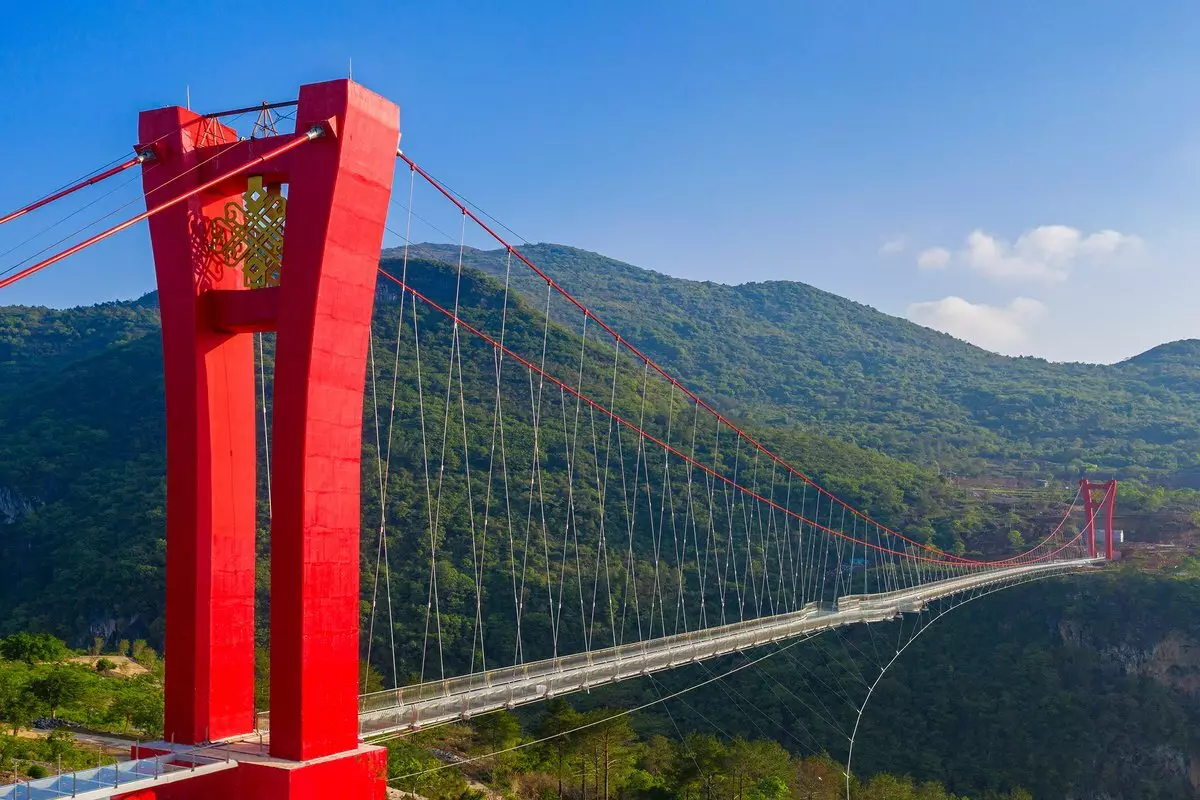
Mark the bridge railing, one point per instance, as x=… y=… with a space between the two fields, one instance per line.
x=132 y=776
x=438 y=701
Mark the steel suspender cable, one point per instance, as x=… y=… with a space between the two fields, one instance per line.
x=651 y=364
x=313 y=133
x=622 y=422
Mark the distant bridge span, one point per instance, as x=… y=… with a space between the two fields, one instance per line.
x=436 y=702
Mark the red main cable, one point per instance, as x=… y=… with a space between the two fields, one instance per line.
x=533 y=368
x=694 y=397
x=50 y=198
x=139 y=158
x=70 y=251
x=661 y=371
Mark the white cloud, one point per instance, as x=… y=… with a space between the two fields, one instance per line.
x=892 y=246
x=934 y=258
x=1045 y=254
x=1108 y=242
x=1003 y=329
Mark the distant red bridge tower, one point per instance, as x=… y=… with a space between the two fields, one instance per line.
x=245 y=256
x=1099 y=511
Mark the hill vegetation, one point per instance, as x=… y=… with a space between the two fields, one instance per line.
x=877 y=409
x=82 y=481
x=783 y=353
x=45 y=696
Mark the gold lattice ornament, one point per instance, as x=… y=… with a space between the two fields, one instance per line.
x=251 y=234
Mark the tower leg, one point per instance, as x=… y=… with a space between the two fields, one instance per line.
x=1110 y=501
x=209 y=383
x=337 y=208
x=1089 y=518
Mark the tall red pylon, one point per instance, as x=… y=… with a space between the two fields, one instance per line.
x=249 y=256
x=1099 y=510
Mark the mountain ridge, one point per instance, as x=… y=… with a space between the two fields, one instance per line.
x=786 y=353
x=448 y=253
x=846 y=369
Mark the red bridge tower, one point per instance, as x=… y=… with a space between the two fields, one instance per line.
x=239 y=258
x=1097 y=510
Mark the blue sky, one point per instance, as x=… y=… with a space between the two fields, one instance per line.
x=1025 y=175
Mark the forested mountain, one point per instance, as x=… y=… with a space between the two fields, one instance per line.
x=81 y=417
x=36 y=342
x=867 y=404
x=82 y=460
x=782 y=353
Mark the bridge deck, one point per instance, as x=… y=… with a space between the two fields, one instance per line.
x=435 y=702
x=121 y=778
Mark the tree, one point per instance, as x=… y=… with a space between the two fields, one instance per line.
x=612 y=739
x=771 y=788
x=760 y=766
x=138 y=703
x=422 y=774
x=497 y=732
x=701 y=766
x=150 y=660
x=556 y=725
x=60 y=742
x=889 y=787
x=33 y=648
x=17 y=705
x=262 y=677
x=372 y=680
x=818 y=778
x=1016 y=540
x=58 y=687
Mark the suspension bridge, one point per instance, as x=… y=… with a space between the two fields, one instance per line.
x=541 y=507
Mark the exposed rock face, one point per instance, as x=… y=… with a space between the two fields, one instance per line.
x=1171 y=659
x=13 y=506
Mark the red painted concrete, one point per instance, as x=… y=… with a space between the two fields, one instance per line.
x=1095 y=511
x=338 y=191
x=209 y=378
x=337 y=206
x=360 y=774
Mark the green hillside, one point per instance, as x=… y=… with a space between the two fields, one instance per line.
x=82 y=460
x=782 y=352
x=843 y=392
